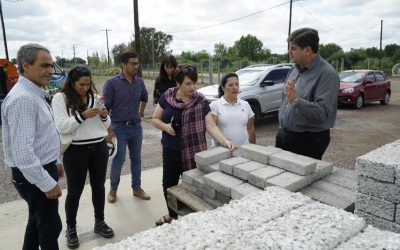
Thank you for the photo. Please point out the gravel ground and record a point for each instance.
(356, 132)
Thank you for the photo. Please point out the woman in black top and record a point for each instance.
(165, 79)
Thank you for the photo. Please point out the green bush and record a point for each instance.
(112, 71)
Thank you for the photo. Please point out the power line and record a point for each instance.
(231, 20)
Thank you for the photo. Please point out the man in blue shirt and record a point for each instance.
(126, 98)
(309, 106)
(32, 146)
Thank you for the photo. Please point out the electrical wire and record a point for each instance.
(229, 21)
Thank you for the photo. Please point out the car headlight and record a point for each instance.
(348, 90)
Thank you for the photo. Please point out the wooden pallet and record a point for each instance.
(184, 202)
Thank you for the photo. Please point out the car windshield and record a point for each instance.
(356, 77)
(249, 77)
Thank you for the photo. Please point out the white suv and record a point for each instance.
(260, 85)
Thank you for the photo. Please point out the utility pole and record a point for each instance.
(108, 51)
(290, 26)
(137, 31)
(73, 49)
(380, 47)
(4, 31)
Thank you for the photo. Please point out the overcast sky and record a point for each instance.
(195, 24)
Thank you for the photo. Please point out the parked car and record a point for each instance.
(260, 85)
(360, 86)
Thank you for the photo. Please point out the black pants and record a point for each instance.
(312, 144)
(78, 160)
(172, 169)
(44, 222)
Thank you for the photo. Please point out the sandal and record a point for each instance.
(164, 219)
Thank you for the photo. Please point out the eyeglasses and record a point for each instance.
(132, 63)
(187, 69)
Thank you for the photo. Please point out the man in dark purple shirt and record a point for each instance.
(126, 97)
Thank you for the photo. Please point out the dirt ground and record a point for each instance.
(356, 132)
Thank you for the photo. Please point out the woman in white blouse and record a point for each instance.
(78, 111)
(233, 115)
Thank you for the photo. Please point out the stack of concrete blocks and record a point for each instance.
(220, 177)
(378, 192)
(270, 219)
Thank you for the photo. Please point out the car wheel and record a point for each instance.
(386, 99)
(256, 111)
(359, 101)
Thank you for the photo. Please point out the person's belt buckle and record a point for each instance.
(131, 123)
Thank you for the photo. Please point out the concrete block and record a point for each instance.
(294, 163)
(212, 156)
(380, 164)
(375, 206)
(290, 181)
(209, 192)
(198, 182)
(242, 190)
(331, 194)
(192, 189)
(208, 168)
(222, 198)
(188, 176)
(372, 238)
(259, 177)
(242, 170)
(323, 169)
(378, 222)
(213, 202)
(383, 190)
(257, 152)
(221, 182)
(397, 216)
(226, 166)
(343, 177)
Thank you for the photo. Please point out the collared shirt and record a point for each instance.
(30, 137)
(317, 85)
(233, 119)
(122, 98)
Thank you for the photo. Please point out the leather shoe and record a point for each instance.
(112, 196)
(140, 193)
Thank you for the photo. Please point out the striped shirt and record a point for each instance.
(30, 137)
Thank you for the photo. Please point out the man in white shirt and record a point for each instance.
(32, 145)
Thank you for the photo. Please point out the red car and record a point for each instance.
(360, 86)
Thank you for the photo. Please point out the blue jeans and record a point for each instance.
(130, 136)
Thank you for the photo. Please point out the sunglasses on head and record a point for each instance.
(187, 69)
(82, 69)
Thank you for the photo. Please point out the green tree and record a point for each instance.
(328, 50)
(187, 57)
(117, 51)
(355, 56)
(94, 59)
(250, 47)
(391, 49)
(372, 52)
(153, 44)
(220, 51)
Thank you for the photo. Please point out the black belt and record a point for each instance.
(127, 123)
(306, 132)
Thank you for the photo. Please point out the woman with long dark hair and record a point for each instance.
(79, 111)
(165, 79)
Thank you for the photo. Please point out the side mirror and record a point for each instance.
(267, 83)
(368, 81)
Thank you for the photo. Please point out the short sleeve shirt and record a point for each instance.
(233, 119)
